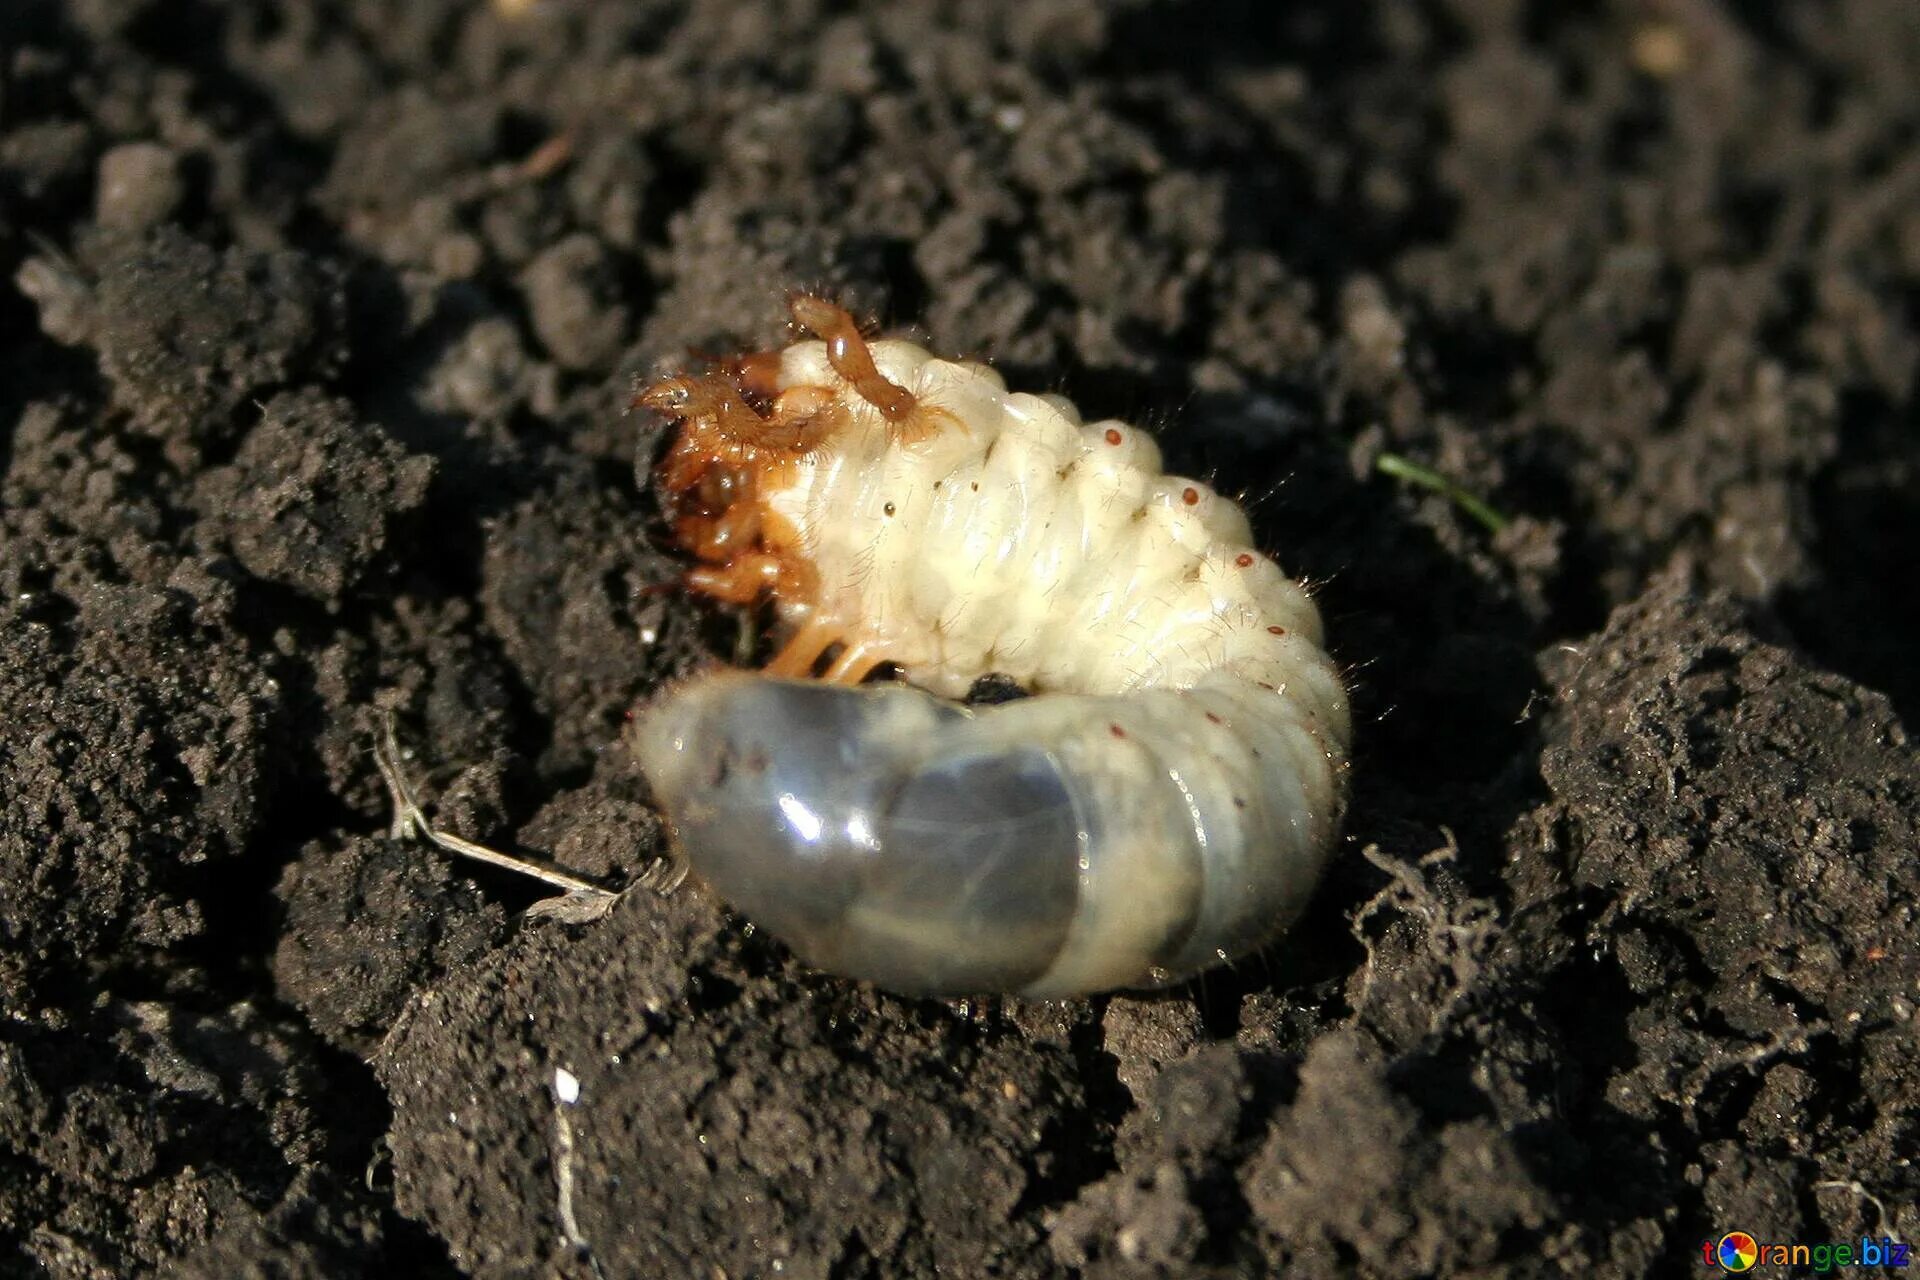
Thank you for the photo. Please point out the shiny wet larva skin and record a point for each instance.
(843, 821)
(1164, 803)
(886, 834)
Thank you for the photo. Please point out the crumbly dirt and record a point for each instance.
(318, 319)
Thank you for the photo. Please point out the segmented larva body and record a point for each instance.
(1163, 803)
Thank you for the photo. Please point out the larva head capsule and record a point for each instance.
(857, 827)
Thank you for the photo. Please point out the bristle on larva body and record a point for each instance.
(1164, 803)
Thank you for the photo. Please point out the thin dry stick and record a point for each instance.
(408, 819)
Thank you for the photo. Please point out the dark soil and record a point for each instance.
(317, 323)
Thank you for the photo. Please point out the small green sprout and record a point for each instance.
(1413, 473)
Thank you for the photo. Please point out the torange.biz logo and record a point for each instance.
(1737, 1251)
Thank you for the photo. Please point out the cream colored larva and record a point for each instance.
(1163, 803)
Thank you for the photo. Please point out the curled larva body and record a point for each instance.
(1166, 800)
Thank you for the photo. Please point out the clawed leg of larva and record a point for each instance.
(718, 423)
(847, 351)
(739, 581)
(715, 423)
(799, 655)
(689, 460)
(853, 664)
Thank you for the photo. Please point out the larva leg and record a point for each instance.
(797, 658)
(689, 460)
(703, 401)
(718, 420)
(742, 579)
(739, 581)
(847, 351)
(853, 664)
(713, 419)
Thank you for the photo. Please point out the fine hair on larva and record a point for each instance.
(1165, 800)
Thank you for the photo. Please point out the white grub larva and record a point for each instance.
(1163, 803)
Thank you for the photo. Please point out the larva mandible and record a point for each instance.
(1163, 803)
